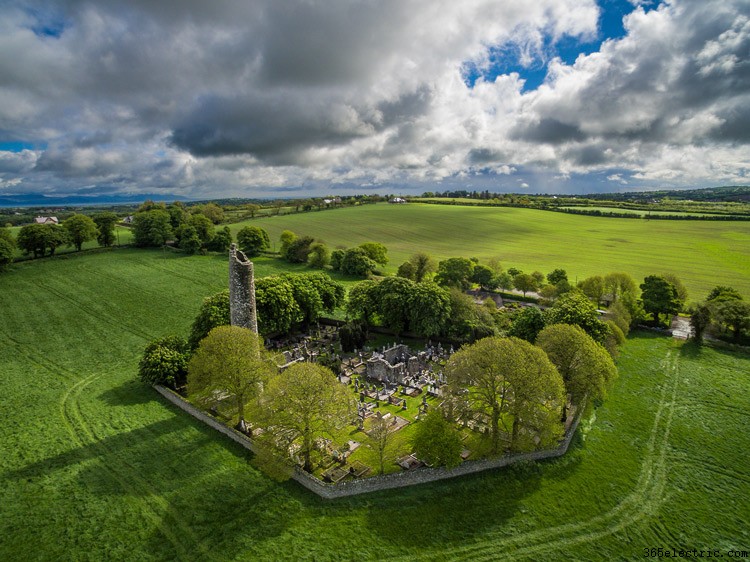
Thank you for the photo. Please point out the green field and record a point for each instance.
(96, 466)
(702, 254)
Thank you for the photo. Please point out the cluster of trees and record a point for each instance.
(361, 260)
(723, 313)
(519, 390)
(7, 248)
(285, 303)
(42, 239)
(154, 224)
(301, 404)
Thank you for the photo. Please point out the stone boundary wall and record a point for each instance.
(376, 483)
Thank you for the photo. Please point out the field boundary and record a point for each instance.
(376, 483)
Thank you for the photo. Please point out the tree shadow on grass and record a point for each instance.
(129, 393)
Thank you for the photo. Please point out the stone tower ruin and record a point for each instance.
(241, 291)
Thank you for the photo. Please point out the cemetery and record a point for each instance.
(392, 387)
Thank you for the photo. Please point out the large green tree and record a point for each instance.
(659, 296)
(105, 222)
(302, 404)
(586, 367)
(165, 362)
(574, 308)
(514, 385)
(7, 248)
(214, 312)
(455, 272)
(229, 360)
(527, 323)
(152, 227)
(618, 283)
(357, 262)
(593, 288)
(278, 311)
(37, 239)
(423, 266)
(429, 308)
(361, 302)
(376, 251)
(80, 229)
(436, 441)
(525, 283)
(253, 240)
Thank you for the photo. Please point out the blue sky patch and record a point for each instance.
(505, 59)
(19, 146)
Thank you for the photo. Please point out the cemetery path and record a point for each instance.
(641, 504)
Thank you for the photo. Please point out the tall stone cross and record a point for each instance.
(241, 291)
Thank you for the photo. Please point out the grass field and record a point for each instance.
(702, 254)
(96, 466)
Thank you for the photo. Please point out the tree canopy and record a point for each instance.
(229, 360)
(303, 403)
(585, 366)
(659, 296)
(436, 441)
(514, 385)
(455, 272)
(105, 222)
(152, 227)
(574, 308)
(165, 362)
(253, 240)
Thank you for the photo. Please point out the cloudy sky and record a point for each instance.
(284, 98)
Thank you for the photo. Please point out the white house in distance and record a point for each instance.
(46, 220)
(397, 200)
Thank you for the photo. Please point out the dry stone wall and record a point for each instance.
(376, 483)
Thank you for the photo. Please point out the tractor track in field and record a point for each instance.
(104, 318)
(640, 505)
(152, 505)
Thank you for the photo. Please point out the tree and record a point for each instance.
(618, 284)
(286, 239)
(253, 240)
(574, 308)
(659, 296)
(392, 296)
(406, 270)
(337, 258)
(557, 275)
(381, 435)
(7, 248)
(357, 262)
(455, 272)
(32, 239)
(214, 312)
(37, 239)
(276, 306)
(468, 322)
(424, 266)
(165, 362)
(700, 318)
(221, 241)
(319, 256)
(233, 360)
(299, 249)
(105, 222)
(483, 276)
(376, 252)
(213, 212)
(253, 209)
(735, 314)
(514, 385)
(527, 324)
(178, 214)
(682, 294)
(618, 313)
(204, 228)
(585, 366)
(436, 441)
(429, 308)
(361, 302)
(314, 293)
(723, 293)
(353, 335)
(303, 403)
(524, 283)
(593, 288)
(188, 239)
(152, 228)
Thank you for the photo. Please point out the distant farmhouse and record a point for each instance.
(46, 220)
(397, 200)
(128, 219)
